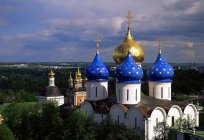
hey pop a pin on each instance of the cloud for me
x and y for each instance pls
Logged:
(65, 29)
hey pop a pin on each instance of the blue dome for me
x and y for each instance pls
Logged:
(129, 71)
(160, 70)
(97, 71)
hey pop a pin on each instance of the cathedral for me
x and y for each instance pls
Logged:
(129, 106)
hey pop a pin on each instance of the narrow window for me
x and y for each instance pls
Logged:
(104, 92)
(119, 95)
(135, 122)
(127, 94)
(153, 92)
(96, 92)
(169, 92)
(162, 92)
(136, 95)
(157, 121)
(172, 120)
(118, 119)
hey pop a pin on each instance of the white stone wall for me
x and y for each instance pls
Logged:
(97, 90)
(99, 118)
(190, 113)
(87, 108)
(135, 118)
(128, 93)
(157, 115)
(120, 114)
(117, 113)
(174, 114)
(160, 90)
(58, 99)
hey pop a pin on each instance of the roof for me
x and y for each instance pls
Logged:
(146, 105)
(51, 91)
(103, 106)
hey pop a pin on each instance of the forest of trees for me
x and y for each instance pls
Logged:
(46, 121)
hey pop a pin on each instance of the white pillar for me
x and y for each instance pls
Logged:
(51, 81)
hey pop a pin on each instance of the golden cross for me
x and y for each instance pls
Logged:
(159, 41)
(98, 40)
(129, 18)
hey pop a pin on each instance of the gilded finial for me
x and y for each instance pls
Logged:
(129, 18)
(159, 42)
(70, 75)
(98, 40)
(51, 74)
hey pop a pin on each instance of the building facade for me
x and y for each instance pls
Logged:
(130, 107)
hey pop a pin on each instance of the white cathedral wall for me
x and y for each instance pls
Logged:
(117, 113)
(160, 90)
(128, 93)
(58, 99)
(97, 90)
(191, 113)
(157, 115)
(100, 117)
(174, 112)
(87, 108)
(135, 118)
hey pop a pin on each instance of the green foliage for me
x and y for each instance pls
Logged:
(80, 126)
(19, 96)
(17, 117)
(161, 131)
(46, 121)
(187, 81)
(6, 133)
(109, 130)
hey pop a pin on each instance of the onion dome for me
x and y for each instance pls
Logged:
(160, 70)
(129, 71)
(51, 74)
(128, 44)
(97, 70)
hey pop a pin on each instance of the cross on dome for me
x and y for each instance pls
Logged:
(129, 18)
(98, 40)
(159, 42)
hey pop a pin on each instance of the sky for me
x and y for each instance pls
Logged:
(65, 30)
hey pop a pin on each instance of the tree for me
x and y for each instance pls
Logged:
(161, 131)
(80, 126)
(111, 131)
(6, 133)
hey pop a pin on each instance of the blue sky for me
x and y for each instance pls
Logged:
(65, 30)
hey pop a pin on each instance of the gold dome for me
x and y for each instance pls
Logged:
(51, 74)
(128, 44)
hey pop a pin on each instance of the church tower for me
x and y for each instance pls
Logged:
(128, 86)
(159, 75)
(97, 75)
(78, 80)
(70, 81)
(51, 92)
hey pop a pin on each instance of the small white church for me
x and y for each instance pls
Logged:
(130, 107)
